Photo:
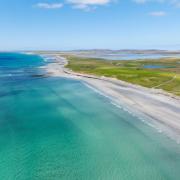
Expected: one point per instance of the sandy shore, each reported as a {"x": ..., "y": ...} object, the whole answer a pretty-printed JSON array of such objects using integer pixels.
[{"x": 159, "y": 109}]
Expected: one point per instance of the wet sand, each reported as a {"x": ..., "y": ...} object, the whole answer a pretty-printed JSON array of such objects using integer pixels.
[{"x": 155, "y": 107}]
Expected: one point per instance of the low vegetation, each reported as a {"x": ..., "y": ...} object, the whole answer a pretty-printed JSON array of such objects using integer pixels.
[{"x": 162, "y": 73}]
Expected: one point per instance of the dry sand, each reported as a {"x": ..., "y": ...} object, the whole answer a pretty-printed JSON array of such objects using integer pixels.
[{"x": 159, "y": 109}]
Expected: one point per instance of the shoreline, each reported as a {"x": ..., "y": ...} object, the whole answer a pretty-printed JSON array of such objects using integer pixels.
[{"x": 160, "y": 109}]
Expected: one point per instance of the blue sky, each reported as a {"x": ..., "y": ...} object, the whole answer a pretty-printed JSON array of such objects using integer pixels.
[{"x": 87, "y": 24}]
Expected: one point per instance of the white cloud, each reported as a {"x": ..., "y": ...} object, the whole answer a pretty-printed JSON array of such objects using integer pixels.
[
  {"x": 49, "y": 5},
  {"x": 93, "y": 4},
  {"x": 158, "y": 13},
  {"x": 88, "y": 4},
  {"x": 175, "y": 3}
]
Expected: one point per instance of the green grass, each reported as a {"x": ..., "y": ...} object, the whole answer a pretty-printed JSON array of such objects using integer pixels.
[{"x": 132, "y": 71}]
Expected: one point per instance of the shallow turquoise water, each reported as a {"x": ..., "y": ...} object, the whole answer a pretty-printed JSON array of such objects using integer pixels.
[{"x": 55, "y": 128}]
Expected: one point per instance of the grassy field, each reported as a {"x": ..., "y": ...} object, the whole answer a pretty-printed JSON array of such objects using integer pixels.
[{"x": 162, "y": 73}]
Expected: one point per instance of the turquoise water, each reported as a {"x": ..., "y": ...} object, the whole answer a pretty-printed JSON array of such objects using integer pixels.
[{"x": 56, "y": 129}]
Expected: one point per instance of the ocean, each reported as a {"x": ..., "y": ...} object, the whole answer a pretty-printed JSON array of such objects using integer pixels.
[{"x": 60, "y": 129}]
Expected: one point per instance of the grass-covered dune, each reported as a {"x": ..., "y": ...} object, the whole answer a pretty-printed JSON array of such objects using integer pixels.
[{"x": 162, "y": 73}]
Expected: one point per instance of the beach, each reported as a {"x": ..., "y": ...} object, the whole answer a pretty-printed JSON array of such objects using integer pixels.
[
  {"x": 160, "y": 109},
  {"x": 90, "y": 90},
  {"x": 57, "y": 124}
]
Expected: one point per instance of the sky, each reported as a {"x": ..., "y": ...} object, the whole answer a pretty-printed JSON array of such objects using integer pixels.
[{"x": 89, "y": 24}]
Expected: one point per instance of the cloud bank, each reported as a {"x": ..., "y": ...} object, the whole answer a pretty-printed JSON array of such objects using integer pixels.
[
  {"x": 93, "y": 4},
  {"x": 87, "y": 4},
  {"x": 78, "y": 4}
]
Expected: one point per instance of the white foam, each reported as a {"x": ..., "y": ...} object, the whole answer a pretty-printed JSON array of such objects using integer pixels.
[
  {"x": 97, "y": 91},
  {"x": 125, "y": 109},
  {"x": 118, "y": 106},
  {"x": 112, "y": 101}
]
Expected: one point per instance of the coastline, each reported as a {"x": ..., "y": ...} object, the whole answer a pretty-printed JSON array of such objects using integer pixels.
[{"x": 160, "y": 109}]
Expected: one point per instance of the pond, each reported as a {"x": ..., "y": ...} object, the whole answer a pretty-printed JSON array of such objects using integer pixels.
[{"x": 155, "y": 66}]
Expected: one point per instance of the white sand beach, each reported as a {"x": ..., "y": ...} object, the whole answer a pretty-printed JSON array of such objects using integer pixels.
[{"x": 159, "y": 109}]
